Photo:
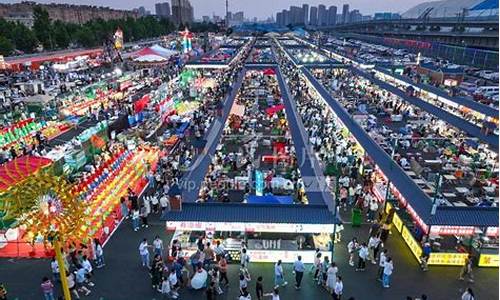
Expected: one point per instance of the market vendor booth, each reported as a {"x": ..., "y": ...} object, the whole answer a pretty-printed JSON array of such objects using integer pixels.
[{"x": 268, "y": 236}]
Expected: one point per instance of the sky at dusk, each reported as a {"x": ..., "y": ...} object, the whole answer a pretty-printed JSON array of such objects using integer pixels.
[{"x": 252, "y": 8}]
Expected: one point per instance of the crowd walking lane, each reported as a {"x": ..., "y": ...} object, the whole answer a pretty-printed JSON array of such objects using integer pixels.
[
  {"x": 191, "y": 181},
  {"x": 312, "y": 174}
]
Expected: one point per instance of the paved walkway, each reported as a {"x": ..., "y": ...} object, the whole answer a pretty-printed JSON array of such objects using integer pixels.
[{"x": 124, "y": 278}]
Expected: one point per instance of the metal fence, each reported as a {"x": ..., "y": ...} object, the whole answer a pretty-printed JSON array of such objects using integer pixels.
[{"x": 484, "y": 59}]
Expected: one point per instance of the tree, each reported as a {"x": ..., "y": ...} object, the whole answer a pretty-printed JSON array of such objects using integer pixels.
[
  {"x": 84, "y": 37},
  {"x": 24, "y": 39},
  {"x": 6, "y": 46},
  {"x": 61, "y": 35},
  {"x": 42, "y": 27}
]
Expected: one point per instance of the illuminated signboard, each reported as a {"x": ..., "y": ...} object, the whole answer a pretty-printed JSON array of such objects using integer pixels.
[
  {"x": 447, "y": 259},
  {"x": 488, "y": 260},
  {"x": 397, "y": 222},
  {"x": 411, "y": 242},
  {"x": 249, "y": 227},
  {"x": 452, "y": 230},
  {"x": 492, "y": 231}
]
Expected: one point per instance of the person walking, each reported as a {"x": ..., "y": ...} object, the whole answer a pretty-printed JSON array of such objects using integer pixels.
[
  {"x": 47, "y": 288},
  {"x": 275, "y": 295},
  {"x": 223, "y": 270},
  {"x": 99, "y": 254},
  {"x": 144, "y": 216},
  {"x": 351, "y": 248},
  {"x": 338, "y": 289},
  {"x": 466, "y": 270},
  {"x": 54, "y": 266},
  {"x": 298, "y": 268},
  {"x": 279, "y": 278},
  {"x": 317, "y": 267},
  {"x": 156, "y": 272},
  {"x": 374, "y": 244},
  {"x": 259, "y": 288},
  {"x": 381, "y": 265},
  {"x": 468, "y": 294},
  {"x": 331, "y": 277},
  {"x": 324, "y": 270},
  {"x": 388, "y": 268},
  {"x": 135, "y": 219},
  {"x": 144, "y": 253},
  {"x": 158, "y": 246},
  {"x": 362, "y": 257},
  {"x": 215, "y": 279}
]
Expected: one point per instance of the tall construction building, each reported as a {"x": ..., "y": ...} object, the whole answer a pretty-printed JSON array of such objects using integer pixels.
[
  {"x": 345, "y": 13},
  {"x": 313, "y": 16},
  {"x": 305, "y": 10},
  {"x": 322, "y": 15},
  {"x": 332, "y": 15},
  {"x": 162, "y": 10},
  {"x": 182, "y": 12}
]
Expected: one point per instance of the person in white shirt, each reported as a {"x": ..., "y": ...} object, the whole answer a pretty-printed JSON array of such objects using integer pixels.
[
  {"x": 158, "y": 246},
  {"x": 373, "y": 208},
  {"x": 144, "y": 253},
  {"x": 174, "y": 286},
  {"x": 363, "y": 256},
  {"x": 339, "y": 287},
  {"x": 219, "y": 250},
  {"x": 351, "y": 248},
  {"x": 279, "y": 278},
  {"x": 468, "y": 294},
  {"x": 54, "y": 266},
  {"x": 87, "y": 265},
  {"x": 99, "y": 254},
  {"x": 275, "y": 295},
  {"x": 388, "y": 268},
  {"x": 381, "y": 264},
  {"x": 373, "y": 247}
]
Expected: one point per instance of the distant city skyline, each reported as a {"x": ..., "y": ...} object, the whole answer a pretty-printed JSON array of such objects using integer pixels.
[{"x": 262, "y": 9}]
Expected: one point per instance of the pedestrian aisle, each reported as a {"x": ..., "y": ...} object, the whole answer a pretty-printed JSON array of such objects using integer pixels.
[{"x": 192, "y": 180}]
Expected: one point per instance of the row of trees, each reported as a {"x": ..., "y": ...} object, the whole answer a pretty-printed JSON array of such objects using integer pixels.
[{"x": 53, "y": 35}]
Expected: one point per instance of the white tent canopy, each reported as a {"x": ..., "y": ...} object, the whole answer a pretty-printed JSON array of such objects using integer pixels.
[
  {"x": 150, "y": 58},
  {"x": 163, "y": 51}
]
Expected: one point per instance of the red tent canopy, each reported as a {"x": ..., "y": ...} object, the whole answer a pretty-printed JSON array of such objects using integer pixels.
[
  {"x": 145, "y": 51},
  {"x": 141, "y": 104},
  {"x": 273, "y": 109},
  {"x": 19, "y": 169},
  {"x": 269, "y": 72}
]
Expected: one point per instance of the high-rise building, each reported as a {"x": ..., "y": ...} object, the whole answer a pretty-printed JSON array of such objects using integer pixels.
[
  {"x": 162, "y": 9},
  {"x": 141, "y": 10},
  {"x": 182, "y": 12},
  {"x": 345, "y": 13},
  {"x": 296, "y": 15},
  {"x": 355, "y": 16},
  {"x": 279, "y": 18},
  {"x": 305, "y": 10},
  {"x": 322, "y": 15},
  {"x": 286, "y": 17},
  {"x": 332, "y": 15},
  {"x": 239, "y": 16},
  {"x": 313, "y": 16},
  {"x": 205, "y": 19}
]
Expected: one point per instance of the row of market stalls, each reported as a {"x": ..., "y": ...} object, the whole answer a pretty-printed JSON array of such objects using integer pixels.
[
  {"x": 457, "y": 230},
  {"x": 234, "y": 204}
]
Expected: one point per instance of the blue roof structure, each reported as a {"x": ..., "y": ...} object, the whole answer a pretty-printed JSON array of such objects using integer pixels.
[
  {"x": 418, "y": 200},
  {"x": 456, "y": 121},
  {"x": 251, "y": 213},
  {"x": 465, "y": 216},
  {"x": 469, "y": 103},
  {"x": 487, "y": 4}
]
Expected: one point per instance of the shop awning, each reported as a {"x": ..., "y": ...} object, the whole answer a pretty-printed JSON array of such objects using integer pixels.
[
  {"x": 251, "y": 213},
  {"x": 465, "y": 216},
  {"x": 19, "y": 169}
]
